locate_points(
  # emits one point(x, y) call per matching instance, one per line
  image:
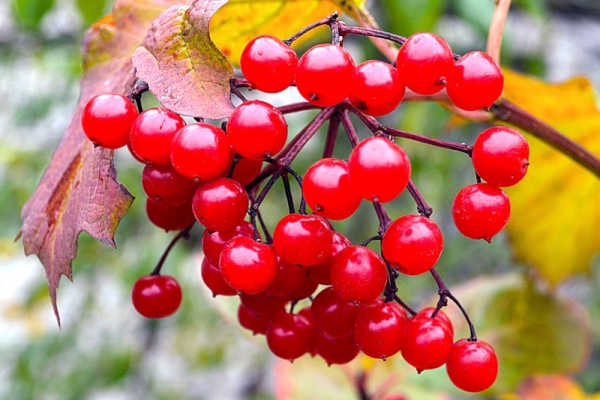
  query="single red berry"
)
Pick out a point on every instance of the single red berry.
point(289, 336)
point(472, 366)
point(378, 88)
point(321, 273)
point(412, 244)
point(289, 277)
point(152, 133)
point(107, 118)
point(261, 304)
point(335, 350)
point(325, 74)
point(163, 184)
point(425, 61)
point(170, 218)
point(427, 312)
point(328, 191)
point(268, 64)
point(476, 82)
point(220, 205)
point(257, 130)
point(480, 211)
point(255, 323)
point(332, 314)
point(379, 329)
point(248, 266)
point(156, 296)
point(305, 289)
point(213, 242)
point(213, 279)
point(200, 151)
point(379, 169)
point(427, 343)
point(302, 239)
point(358, 274)
point(501, 156)
point(245, 171)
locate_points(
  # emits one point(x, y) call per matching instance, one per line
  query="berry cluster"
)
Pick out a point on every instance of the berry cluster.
point(305, 286)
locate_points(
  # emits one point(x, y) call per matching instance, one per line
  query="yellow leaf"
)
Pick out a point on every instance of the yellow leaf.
point(555, 215)
point(239, 21)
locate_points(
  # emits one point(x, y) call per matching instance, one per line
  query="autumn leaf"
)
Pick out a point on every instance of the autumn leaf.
point(184, 69)
point(555, 215)
point(78, 191)
point(550, 387)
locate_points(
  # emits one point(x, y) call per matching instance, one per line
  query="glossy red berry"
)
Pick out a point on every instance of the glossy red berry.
point(156, 296)
point(289, 277)
point(220, 204)
point(321, 273)
point(257, 130)
point(213, 279)
point(335, 350)
point(245, 171)
point(325, 74)
point(328, 191)
point(412, 244)
point(261, 304)
point(302, 239)
point(501, 156)
point(255, 323)
point(379, 169)
point(427, 343)
point(425, 61)
point(480, 211)
point(427, 312)
point(169, 218)
point(163, 184)
point(213, 242)
point(358, 274)
point(476, 82)
point(152, 133)
point(332, 314)
point(379, 329)
point(107, 118)
point(248, 266)
point(268, 64)
point(289, 336)
point(378, 88)
point(472, 366)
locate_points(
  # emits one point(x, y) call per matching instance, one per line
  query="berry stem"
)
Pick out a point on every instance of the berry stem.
point(288, 154)
point(422, 207)
point(445, 294)
point(297, 107)
point(288, 193)
point(384, 219)
point(404, 305)
point(349, 128)
point(391, 289)
point(494, 42)
point(136, 95)
point(325, 21)
point(332, 131)
point(371, 32)
point(183, 234)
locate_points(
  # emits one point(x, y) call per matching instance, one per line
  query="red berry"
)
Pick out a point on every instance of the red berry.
point(255, 323)
point(358, 274)
point(427, 312)
point(170, 218)
point(261, 304)
point(335, 350)
point(289, 336)
point(305, 289)
point(427, 343)
point(248, 266)
point(106, 120)
point(213, 242)
point(289, 277)
point(480, 211)
point(476, 82)
point(321, 273)
point(412, 244)
point(268, 64)
point(200, 151)
point(325, 74)
point(152, 133)
point(378, 88)
point(379, 329)
point(472, 366)
point(164, 185)
point(213, 279)
point(245, 171)
point(328, 191)
point(220, 205)
point(425, 61)
point(156, 296)
point(501, 156)
point(257, 130)
point(379, 169)
point(302, 239)
point(332, 314)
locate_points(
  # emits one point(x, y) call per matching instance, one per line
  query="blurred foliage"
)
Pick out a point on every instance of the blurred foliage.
point(104, 350)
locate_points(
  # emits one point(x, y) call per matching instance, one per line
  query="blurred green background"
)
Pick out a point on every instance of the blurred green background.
point(104, 350)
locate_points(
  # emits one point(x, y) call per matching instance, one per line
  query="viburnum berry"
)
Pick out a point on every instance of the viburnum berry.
point(257, 130)
point(302, 239)
point(412, 244)
point(321, 273)
point(328, 191)
point(248, 266)
point(213, 279)
point(427, 312)
point(289, 336)
point(424, 62)
point(305, 289)
point(378, 88)
point(261, 304)
point(335, 350)
point(245, 171)
point(255, 323)
point(325, 74)
point(289, 277)
point(169, 218)
point(107, 118)
point(472, 365)
point(156, 296)
point(200, 151)
point(379, 329)
point(427, 343)
point(268, 64)
point(332, 314)
point(358, 274)
point(501, 156)
point(213, 242)
point(163, 184)
point(379, 169)
point(476, 82)
point(152, 133)
point(220, 204)
point(480, 211)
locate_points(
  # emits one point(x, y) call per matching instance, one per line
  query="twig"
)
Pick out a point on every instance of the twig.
point(494, 42)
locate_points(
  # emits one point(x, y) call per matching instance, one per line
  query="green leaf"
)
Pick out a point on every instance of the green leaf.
point(91, 10)
point(29, 13)
point(410, 16)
